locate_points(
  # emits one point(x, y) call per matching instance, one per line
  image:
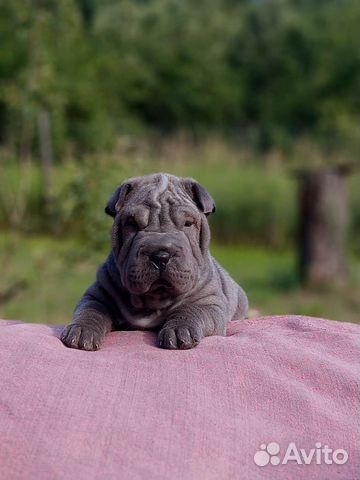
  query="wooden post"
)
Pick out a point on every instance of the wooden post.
point(323, 222)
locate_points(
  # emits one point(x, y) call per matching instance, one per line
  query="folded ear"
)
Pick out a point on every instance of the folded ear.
point(200, 196)
point(117, 199)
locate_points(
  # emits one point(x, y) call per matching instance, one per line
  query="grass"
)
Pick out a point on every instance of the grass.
point(43, 277)
point(269, 277)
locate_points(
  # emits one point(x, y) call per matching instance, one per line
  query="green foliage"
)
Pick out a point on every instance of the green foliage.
point(301, 69)
point(266, 72)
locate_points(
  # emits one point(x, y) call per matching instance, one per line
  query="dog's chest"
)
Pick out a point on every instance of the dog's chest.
point(149, 321)
point(146, 312)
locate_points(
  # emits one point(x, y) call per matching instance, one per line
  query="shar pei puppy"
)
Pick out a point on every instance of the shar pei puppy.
point(159, 273)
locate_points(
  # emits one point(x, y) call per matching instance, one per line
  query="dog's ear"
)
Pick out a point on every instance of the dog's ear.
point(200, 196)
point(117, 199)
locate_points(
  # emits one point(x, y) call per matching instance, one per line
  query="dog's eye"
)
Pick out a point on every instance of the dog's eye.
point(189, 223)
point(131, 222)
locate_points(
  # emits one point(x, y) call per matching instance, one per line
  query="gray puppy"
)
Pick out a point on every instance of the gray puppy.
point(159, 274)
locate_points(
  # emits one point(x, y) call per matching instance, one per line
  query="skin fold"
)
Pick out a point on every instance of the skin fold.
point(159, 274)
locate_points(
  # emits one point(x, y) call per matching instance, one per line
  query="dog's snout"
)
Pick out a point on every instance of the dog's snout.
point(160, 258)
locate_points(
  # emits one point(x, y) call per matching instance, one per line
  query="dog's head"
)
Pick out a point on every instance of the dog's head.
point(160, 234)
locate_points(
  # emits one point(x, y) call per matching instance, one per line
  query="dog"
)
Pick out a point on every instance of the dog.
point(159, 274)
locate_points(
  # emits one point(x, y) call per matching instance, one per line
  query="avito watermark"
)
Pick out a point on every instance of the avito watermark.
point(321, 454)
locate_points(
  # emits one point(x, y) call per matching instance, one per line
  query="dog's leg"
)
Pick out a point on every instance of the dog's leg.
point(90, 324)
point(186, 326)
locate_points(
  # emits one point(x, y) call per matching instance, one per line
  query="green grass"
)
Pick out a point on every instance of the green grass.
point(45, 277)
point(270, 280)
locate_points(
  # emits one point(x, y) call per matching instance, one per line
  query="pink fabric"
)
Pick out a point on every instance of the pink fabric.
point(133, 411)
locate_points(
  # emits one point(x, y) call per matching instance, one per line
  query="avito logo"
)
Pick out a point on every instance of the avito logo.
point(271, 454)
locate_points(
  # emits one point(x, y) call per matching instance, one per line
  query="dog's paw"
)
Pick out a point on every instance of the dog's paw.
point(181, 338)
point(81, 337)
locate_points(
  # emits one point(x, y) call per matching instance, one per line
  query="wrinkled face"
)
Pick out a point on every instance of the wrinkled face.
point(160, 235)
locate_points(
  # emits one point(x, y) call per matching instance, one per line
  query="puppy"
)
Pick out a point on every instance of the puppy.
point(159, 273)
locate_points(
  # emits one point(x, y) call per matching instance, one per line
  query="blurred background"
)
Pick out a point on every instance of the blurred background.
point(256, 99)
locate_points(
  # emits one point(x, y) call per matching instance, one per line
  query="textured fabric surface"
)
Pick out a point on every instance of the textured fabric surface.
point(134, 411)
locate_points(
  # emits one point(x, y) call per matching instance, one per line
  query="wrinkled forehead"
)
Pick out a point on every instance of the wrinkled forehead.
point(160, 195)
point(156, 191)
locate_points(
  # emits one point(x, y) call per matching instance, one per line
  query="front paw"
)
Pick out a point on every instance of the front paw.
point(81, 337)
point(182, 338)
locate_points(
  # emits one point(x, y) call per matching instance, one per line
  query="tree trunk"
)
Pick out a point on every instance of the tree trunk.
point(323, 221)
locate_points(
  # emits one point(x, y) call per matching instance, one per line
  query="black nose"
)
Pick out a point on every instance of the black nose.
point(160, 259)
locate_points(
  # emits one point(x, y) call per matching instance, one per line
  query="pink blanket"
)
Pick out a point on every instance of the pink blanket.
point(275, 399)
